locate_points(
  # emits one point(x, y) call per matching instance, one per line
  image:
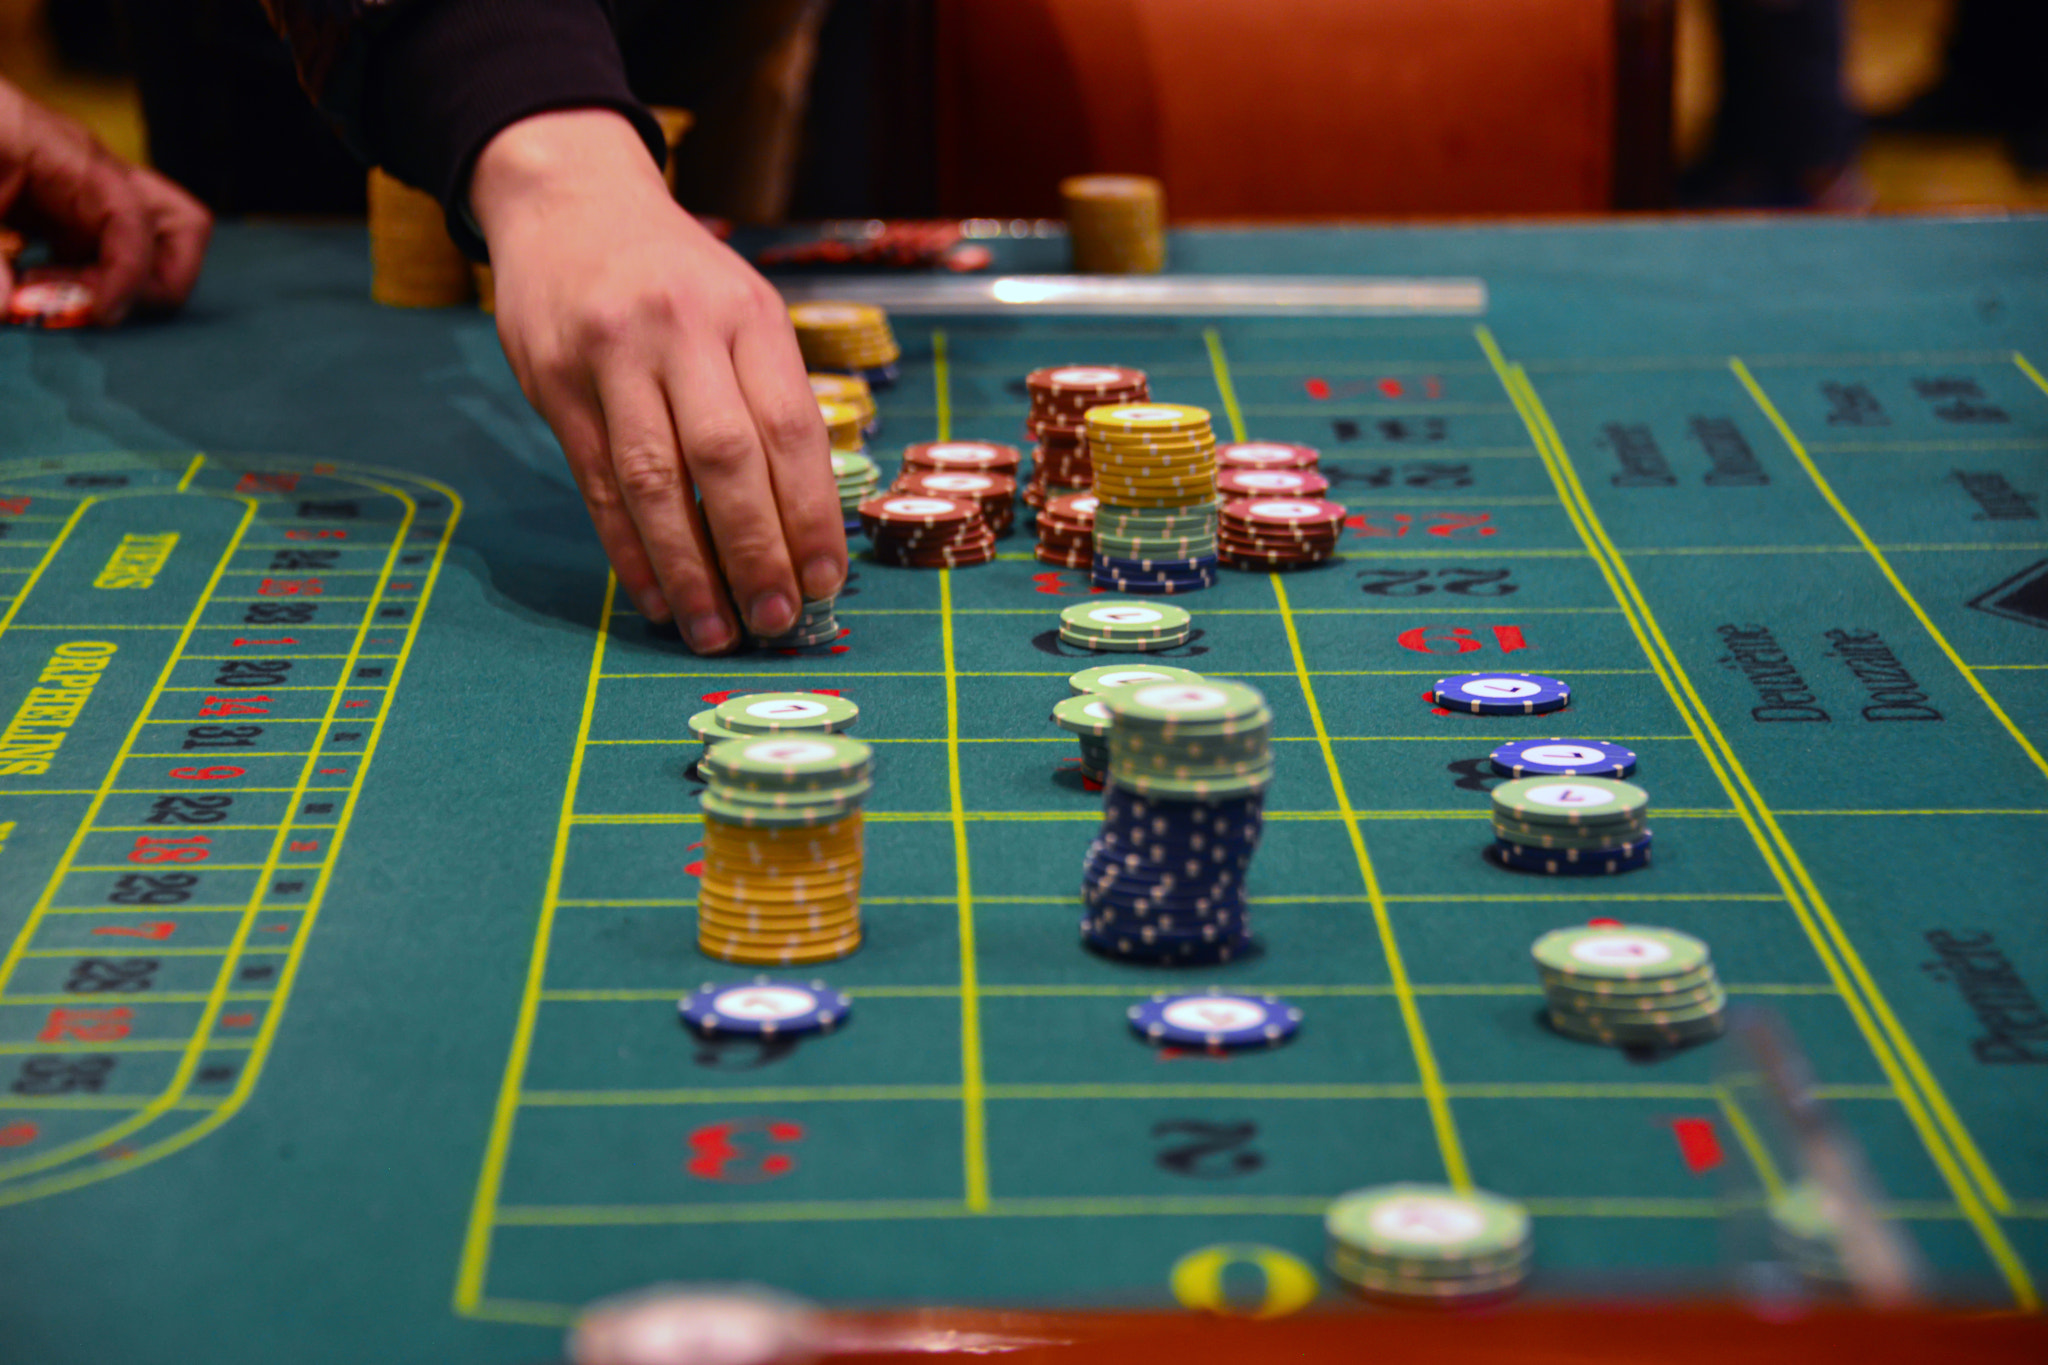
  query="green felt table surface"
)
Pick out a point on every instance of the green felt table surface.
point(378, 1060)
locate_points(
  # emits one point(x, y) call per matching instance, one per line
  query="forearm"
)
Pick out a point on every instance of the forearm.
point(420, 87)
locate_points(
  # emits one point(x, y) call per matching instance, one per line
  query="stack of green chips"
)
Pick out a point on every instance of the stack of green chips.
point(1105, 676)
point(1428, 1244)
point(1190, 741)
point(1156, 533)
point(772, 713)
point(792, 778)
point(1089, 718)
point(1123, 625)
point(815, 625)
point(1571, 825)
point(859, 478)
point(1808, 1234)
point(1630, 985)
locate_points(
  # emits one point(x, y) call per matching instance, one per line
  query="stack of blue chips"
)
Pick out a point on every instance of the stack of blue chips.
point(1164, 881)
point(1155, 576)
point(1182, 815)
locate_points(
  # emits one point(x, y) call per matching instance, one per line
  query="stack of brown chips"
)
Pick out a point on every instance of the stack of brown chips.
point(1279, 532)
point(414, 263)
point(1116, 224)
point(1060, 399)
point(1066, 531)
point(917, 531)
point(994, 494)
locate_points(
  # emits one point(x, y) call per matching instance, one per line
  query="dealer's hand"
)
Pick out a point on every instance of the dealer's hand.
point(138, 239)
point(669, 372)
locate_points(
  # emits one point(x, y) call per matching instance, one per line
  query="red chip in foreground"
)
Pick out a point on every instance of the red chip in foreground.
point(53, 304)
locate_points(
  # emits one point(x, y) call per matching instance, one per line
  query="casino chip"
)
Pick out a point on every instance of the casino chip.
point(1115, 626)
point(846, 338)
point(1060, 398)
point(962, 457)
point(1105, 676)
point(51, 302)
point(1428, 1245)
point(1571, 826)
point(1155, 489)
point(1066, 531)
point(764, 1008)
point(844, 423)
point(1562, 758)
point(919, 531)
point(766, 713)
point(1271, 483)
point(994, 494)
point(1629, 985)
point(859, 478)
point(816, 624)
point(853, 391)
point(1501, 694)
point(1116, 224)
point(1269, 533)
point(1267, 455)
point(701, 1324)
point(1087, 717)
point(1215, 1021)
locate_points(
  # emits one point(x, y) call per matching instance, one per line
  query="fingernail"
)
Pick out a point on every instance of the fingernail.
point(653, 605)
point(708, 634)
point(821, 579)
point(772, 614)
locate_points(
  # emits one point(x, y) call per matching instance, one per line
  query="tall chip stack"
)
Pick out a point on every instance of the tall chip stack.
point(1155, 489)
point(782, 848)
point(1183, 810)
point(847, 338)
point(1060, 398)
point(1116, 224)
point(853, 391)
point(1428, 1245)
point(1066, 531)
point(1630, 985)
point(414, 263)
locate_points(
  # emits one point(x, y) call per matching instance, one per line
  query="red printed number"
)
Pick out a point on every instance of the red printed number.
point(150, 849)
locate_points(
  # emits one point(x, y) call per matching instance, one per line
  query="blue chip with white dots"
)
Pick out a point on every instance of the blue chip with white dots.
point(764, 1008)
point(1216, 1020)
point(1563, 758)
point(1502, 694)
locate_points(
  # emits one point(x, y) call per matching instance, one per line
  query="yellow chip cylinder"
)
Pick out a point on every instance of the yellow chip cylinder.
point(1116, 224)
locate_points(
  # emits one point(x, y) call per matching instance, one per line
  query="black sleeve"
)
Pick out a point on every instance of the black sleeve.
point(420, 87)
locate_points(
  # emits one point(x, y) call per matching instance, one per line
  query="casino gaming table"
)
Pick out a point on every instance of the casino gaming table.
point(347, 817)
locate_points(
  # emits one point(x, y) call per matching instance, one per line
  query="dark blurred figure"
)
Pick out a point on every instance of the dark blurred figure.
point(1785, 136)
point(1994, 80)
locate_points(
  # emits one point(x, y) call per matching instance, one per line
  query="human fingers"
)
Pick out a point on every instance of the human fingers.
point(722, 450)
point(770, 371)
point(572, 413)
point(658, 495)
point(180, 229)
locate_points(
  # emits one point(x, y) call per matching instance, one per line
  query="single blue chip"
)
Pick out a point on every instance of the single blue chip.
point(764, 1007)
point(1563, 758)
point(1216, 1021)
point(1502, 694)
point(1558, 862)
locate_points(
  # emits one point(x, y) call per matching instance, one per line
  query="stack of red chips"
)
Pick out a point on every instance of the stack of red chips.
point(916, 531)
point(1271, 483)
point(54, 300)
point(1265, 455)
point(1060, 399)
point(1278, 533)
point(994, 494)
point(1066, 531)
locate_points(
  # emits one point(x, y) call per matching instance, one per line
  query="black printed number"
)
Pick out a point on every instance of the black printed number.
point(1205, 1149)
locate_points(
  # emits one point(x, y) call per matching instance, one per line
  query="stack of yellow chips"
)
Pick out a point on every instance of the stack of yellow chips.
point(851, 390)
point(849, 338)
point(414, 263)
point(782, 848)
point(1152, 455)
point(842, 420)
point(1116, 224)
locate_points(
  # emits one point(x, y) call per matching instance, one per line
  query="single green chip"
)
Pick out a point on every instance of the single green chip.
point(764, 713)
point(705, 726)
point(1121, 619)
point(1426, 1222)
point(1105, 676)
point(1626, 952)
point(1570, 800)
point(1084, 715)
point(793, 760)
